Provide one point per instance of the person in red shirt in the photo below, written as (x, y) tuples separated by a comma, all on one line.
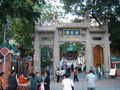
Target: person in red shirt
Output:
[(22, 79), (75, 75), (3, 81)]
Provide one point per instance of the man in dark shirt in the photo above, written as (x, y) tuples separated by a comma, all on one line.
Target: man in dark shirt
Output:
[(12, 82)]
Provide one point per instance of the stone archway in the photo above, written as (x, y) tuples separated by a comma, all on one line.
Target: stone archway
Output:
[(98, 58), (72, 52), (57, 33)]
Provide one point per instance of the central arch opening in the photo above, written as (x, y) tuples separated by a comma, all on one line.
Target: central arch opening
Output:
[(72, 53)]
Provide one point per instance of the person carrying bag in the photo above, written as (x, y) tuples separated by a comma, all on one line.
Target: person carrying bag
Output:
[(41, 87)]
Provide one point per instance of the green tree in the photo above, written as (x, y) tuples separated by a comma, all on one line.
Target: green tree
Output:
[(18, 9), (20, 16), (22, 31), (114, 29), (100, 10), (46, 13), (46, 56)]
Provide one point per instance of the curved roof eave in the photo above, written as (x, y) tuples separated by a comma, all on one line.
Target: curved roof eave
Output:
[(52, 28)]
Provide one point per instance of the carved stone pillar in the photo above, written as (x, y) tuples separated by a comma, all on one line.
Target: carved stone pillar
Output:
[(37, 60), (88, 51), (107, 51), (56, 50)]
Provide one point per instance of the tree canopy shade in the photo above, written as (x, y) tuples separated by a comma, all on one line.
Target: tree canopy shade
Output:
[(100, 10), (18, 9), (19, 16), (114, 29)]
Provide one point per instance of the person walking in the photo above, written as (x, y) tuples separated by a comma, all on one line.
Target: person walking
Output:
[(47, 81), (67, 83), (99, 72), (91, 81), (62, 73), (12, 81), (33, 82), (102, 69), (58, 75), (39, 80), (72, 67), (75, 72)]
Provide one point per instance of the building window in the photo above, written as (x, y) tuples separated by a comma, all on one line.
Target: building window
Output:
[(97, 38), (117, 66), (47, 38)]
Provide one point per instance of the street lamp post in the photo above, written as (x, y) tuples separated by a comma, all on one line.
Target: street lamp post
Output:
[(4, 64), (4, 37), (4, 41)]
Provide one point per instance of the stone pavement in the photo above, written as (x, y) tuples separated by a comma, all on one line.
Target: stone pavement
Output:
[(103, 84)]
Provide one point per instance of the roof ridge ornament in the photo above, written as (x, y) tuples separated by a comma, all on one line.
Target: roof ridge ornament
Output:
[(87, 17), (55, 17)]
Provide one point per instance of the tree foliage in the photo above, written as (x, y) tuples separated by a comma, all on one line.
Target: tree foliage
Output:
[(100, 10), (46, 56), (46, 13), (114, 29), (20, 17), (18, 9), (78, 47)]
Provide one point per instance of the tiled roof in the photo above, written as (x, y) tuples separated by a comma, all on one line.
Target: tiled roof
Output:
[(72, 25), (45, 28), (53, 27)]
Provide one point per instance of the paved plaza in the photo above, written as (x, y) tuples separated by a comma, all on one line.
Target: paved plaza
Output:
[(103, 84)]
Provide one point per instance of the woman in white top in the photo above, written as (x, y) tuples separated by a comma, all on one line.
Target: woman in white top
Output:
[(67, 83)]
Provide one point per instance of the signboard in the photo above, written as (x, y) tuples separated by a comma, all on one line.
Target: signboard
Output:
[(4, 51), (71, 32), (112, 72)]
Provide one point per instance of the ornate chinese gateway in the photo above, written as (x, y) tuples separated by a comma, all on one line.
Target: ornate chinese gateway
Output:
[(94, 38)]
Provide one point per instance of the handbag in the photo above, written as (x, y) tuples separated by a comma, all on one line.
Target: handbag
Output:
[(41, 87)]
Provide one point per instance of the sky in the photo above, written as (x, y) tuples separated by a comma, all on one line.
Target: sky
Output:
[(68, 17), (59, 8)]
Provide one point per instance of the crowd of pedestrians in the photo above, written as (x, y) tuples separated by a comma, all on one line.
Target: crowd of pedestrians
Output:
[(60, 73), (95, 73), (34, 81), (98, 71), (68, 83)]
